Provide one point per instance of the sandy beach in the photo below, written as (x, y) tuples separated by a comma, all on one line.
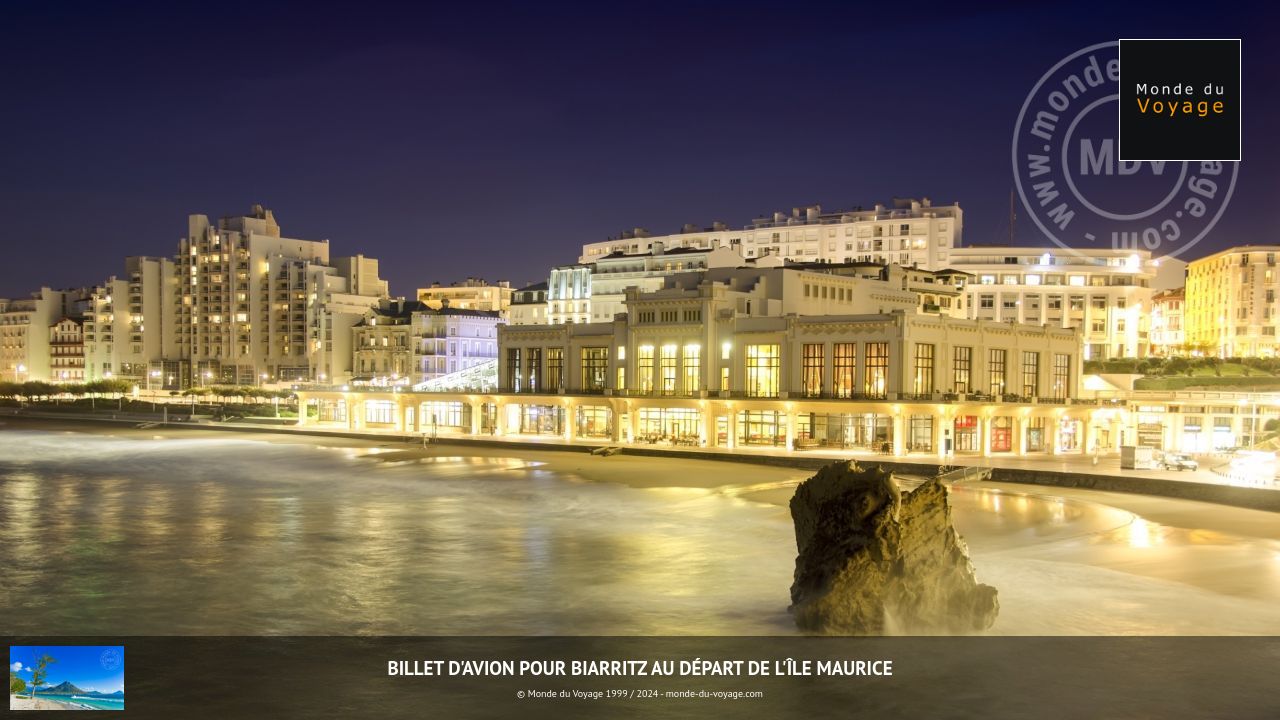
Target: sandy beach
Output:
[(39, 703), (767, 484)]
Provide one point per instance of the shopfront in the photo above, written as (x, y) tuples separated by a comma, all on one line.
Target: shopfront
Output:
[(1070, 435), (594, 421), (867, 431), (968, 437), (762, 427), (920, 433), (682, 426), (1002, 434), (535, 419)]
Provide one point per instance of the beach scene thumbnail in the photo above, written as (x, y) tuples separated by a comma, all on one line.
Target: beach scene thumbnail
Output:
[(66, 677)]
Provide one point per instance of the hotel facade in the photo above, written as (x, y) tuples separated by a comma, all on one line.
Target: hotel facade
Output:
[(1231, 302), (255, 307)]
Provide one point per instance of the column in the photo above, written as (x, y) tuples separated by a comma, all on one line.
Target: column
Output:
[(708, 425), (731, 442), (499, 418), (355, 412), (615, 423), (1022, 424), (939, 434), (984, 426), (899, 447), (302, 410), (570, 421), (475, 418), (633, 423), (791, 430)]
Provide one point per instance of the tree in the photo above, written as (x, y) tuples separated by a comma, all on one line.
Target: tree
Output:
[(16, 684), (40, 673)]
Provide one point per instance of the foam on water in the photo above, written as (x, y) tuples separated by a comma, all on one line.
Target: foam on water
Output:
[(104, 535)]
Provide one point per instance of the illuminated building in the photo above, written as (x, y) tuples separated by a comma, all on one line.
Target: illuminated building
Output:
[(1231, 306)]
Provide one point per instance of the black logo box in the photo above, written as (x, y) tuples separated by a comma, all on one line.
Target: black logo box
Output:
[(1187, 68)]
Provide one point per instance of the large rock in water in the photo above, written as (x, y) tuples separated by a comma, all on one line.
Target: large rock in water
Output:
[(872, 559)]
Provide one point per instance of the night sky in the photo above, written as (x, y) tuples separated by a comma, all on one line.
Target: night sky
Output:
[(494, 140)]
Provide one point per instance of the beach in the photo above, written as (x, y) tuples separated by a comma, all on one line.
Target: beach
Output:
[(25, 702)]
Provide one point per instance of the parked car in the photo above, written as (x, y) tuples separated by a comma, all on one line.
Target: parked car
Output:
[(1179, 461)]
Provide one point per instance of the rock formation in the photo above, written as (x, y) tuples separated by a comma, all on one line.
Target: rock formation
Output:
[(872, 559)]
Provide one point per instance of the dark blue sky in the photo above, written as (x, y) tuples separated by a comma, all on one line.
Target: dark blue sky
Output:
[(494, 140)]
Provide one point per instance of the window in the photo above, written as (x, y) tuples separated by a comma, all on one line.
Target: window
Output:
[(814, 357), (381, 412), (692, 368), (667, 369), (876, 380), (555, 368), (764, 369), (920, 433), (595, 366), (513, 369), (644, 368), (996, 371), (962, 369), (533, 364), (924, 368), (1030, 373), (1061, 375)]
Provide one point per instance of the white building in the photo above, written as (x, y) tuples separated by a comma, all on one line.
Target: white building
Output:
[(25, 332), (1106, 293), (406, 343), (789, 357), (912, 232), (1168, 329), (257, 307), (130, 326), (529, 305), (470, 294), (66, 351)]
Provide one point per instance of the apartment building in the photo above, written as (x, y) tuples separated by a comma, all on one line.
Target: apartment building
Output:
[(1231, 306), (911, 232), (66, 351), (529, 305), (1105, 293), (256, 307), (470, 294), (1168, 335), (25, 332), (130, 326), (405, 342)]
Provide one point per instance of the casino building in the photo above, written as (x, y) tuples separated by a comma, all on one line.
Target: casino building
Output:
[(777, 358)]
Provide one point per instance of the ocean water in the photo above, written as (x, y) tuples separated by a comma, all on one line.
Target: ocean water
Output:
[(235, 536), (97, 703)]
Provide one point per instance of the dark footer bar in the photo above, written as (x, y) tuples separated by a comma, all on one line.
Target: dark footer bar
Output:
[(692, 677)]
